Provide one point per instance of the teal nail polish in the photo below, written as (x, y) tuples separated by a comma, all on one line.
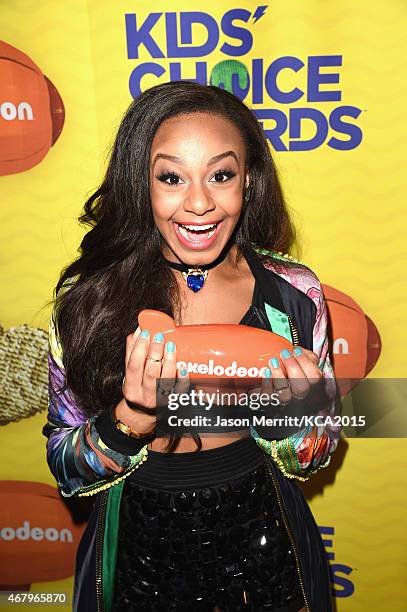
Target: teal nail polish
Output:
[(267, 373), (285, 354), (183, 372), (275, 362), (145, 333), (170, 347), (158, 337), (297, 351)]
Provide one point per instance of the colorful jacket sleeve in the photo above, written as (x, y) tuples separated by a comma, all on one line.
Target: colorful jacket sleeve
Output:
[(309, 449), (85, 454)]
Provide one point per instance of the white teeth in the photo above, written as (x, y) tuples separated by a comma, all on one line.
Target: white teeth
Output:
[(184, 232), (199, 227)]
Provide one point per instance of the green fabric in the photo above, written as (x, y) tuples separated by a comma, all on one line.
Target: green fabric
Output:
[(279, 256), (288, 456), (279, 322), (110, 541)]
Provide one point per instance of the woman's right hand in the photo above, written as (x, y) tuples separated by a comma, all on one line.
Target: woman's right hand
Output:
[(146, 360)]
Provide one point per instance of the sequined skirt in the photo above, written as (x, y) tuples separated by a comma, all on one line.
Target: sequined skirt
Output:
[(217, 542)]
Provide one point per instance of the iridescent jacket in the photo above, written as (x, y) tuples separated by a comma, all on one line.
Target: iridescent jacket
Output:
[(88, 456)]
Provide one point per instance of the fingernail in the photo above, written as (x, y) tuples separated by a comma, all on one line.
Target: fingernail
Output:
[(267, 373), (285, 354), (275, 362), (297, 351), (158, 337), (145, 333), (183, 372), (170, 347)]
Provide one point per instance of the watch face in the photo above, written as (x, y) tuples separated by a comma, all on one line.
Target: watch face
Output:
[(126, 430), (123, 427)]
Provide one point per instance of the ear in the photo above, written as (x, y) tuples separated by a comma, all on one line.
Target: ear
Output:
[(247, 179)]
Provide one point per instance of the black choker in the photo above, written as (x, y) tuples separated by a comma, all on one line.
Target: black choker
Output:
[(195, 276)]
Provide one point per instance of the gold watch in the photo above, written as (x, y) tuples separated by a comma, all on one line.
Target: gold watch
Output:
[(126, 429)]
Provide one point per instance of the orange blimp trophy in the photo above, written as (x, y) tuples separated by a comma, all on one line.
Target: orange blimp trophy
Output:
[(214, 351)]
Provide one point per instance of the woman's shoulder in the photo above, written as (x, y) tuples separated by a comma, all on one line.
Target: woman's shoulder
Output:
[(293, 271)]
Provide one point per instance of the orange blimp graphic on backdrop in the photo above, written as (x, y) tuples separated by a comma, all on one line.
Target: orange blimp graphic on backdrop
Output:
[(32, 113), (213, 351), (38, 537), (356, 343)]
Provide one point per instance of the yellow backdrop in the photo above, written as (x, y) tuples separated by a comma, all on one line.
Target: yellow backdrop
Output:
[(345, 194)]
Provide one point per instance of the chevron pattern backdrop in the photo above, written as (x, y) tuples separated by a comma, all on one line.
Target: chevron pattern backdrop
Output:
[(340, 154)]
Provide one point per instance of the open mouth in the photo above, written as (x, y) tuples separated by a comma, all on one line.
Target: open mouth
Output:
[(194, 234)]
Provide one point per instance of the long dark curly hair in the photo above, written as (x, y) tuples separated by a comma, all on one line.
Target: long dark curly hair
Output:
[(120, 258)]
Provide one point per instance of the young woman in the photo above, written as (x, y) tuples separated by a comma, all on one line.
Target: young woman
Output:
[(198, 522)]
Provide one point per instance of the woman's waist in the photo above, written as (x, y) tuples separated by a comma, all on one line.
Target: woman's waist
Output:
[(198, 469), (187, 443)]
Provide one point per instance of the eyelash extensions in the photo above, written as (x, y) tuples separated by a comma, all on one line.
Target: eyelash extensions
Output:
[(166, 175)]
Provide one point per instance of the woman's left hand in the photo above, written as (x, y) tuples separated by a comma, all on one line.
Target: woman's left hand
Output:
[(292, 374)]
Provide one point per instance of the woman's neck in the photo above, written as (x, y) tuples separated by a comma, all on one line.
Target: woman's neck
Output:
[(227, 267)]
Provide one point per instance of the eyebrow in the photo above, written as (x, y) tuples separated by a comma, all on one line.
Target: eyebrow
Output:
[(180, 160)]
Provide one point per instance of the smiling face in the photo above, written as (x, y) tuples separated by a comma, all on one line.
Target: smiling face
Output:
[(197, 176)]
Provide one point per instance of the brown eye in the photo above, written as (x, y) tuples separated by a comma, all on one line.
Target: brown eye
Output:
[(222, 173), (164, 176)]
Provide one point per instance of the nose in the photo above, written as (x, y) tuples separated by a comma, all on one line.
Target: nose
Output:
[(198, 201)]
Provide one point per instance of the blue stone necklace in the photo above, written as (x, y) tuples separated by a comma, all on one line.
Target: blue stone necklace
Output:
[(195, 276)]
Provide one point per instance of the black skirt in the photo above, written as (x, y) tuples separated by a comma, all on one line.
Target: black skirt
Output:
[(202, 531)]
